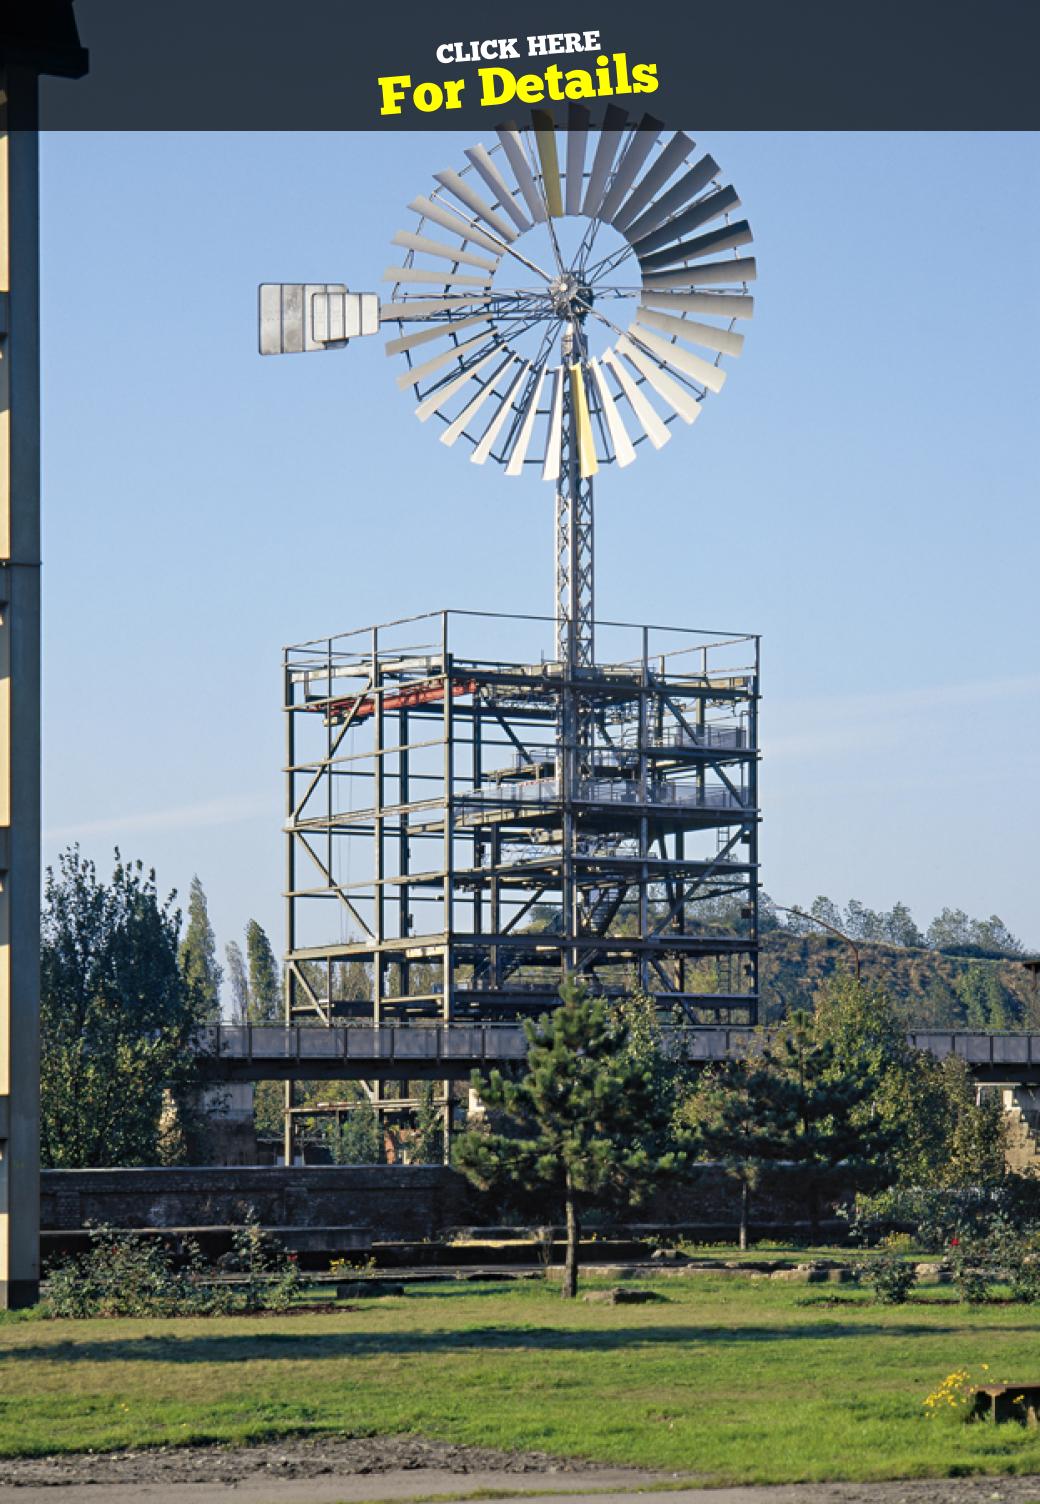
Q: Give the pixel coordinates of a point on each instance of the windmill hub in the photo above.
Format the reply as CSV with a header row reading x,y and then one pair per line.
x,y
570,296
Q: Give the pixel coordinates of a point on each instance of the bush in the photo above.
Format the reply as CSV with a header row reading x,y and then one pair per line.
x,y
125,1274
971,1269
891,1278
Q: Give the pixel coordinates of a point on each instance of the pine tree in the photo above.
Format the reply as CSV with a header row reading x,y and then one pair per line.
x,y
198,956
581,1123
238,982
265,992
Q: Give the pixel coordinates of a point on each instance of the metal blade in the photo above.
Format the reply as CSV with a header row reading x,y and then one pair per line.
x,y
441,248
523,438
624,452
577,132
494,428
435,331
416,374
461,423
728,238
697,214
689,185
442,215
514,150
483,163
614,120
443,394
729,305
468,196
545,140
421,308
554,441
656,431
427,274
587,462
694,366
683,402
671,159
641,144
705,335
731,272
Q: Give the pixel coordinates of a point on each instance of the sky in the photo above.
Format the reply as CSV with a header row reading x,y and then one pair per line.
x,y
863,493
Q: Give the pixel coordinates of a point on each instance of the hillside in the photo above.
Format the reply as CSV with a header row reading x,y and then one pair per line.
x,y
934,989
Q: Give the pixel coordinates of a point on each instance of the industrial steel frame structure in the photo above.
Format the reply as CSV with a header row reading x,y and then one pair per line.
x,y
466,831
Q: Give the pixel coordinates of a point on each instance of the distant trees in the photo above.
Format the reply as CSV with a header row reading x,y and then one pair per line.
x,y
951,931
265,987
198,956
238,982
117,1015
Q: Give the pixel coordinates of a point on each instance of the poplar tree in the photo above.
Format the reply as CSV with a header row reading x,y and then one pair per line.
x,y
265,990
198,956
583,1124
238,982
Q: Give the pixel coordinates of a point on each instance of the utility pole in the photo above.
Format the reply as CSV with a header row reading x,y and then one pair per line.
x,y
49,44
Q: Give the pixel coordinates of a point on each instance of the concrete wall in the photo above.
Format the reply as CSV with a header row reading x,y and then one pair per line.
x,y
352,1206
408,1202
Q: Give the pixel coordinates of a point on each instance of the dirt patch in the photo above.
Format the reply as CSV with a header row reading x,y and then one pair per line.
x,y
351,1467
293,1457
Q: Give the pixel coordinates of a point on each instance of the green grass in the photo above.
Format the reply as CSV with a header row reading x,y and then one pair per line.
x,y
725,1380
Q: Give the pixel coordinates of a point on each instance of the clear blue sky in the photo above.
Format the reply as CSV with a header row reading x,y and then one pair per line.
x,y
863,493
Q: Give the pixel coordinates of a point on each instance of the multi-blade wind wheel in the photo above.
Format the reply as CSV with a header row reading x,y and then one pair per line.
x,y
590,285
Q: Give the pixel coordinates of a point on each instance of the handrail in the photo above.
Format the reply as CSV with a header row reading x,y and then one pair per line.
x,y
248,1043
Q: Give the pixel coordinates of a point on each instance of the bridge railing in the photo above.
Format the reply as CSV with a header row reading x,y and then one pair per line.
x,y
502,1043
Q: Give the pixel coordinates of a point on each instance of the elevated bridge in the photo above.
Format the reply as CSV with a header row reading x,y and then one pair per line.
x,y
439,1052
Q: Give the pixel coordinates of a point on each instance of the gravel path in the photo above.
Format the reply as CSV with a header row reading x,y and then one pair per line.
x,y
334,1470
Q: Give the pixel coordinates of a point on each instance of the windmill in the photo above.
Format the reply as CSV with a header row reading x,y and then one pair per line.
x,y
563,298
498,340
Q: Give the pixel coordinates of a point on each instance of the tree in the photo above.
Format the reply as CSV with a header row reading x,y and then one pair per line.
x,y
116,1015
265,991
949,930
909,1097
831,1144
826,911
861,923
993,934
357,1140
740,1122
582,1123
239,983
898,927
427,1146
986,1003
198,956
976,1138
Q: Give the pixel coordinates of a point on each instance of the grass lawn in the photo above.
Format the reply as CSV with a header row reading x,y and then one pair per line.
x,y
724,1380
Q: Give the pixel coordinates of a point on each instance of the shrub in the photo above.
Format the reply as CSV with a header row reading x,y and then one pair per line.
x,y
891,1278
124,1273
